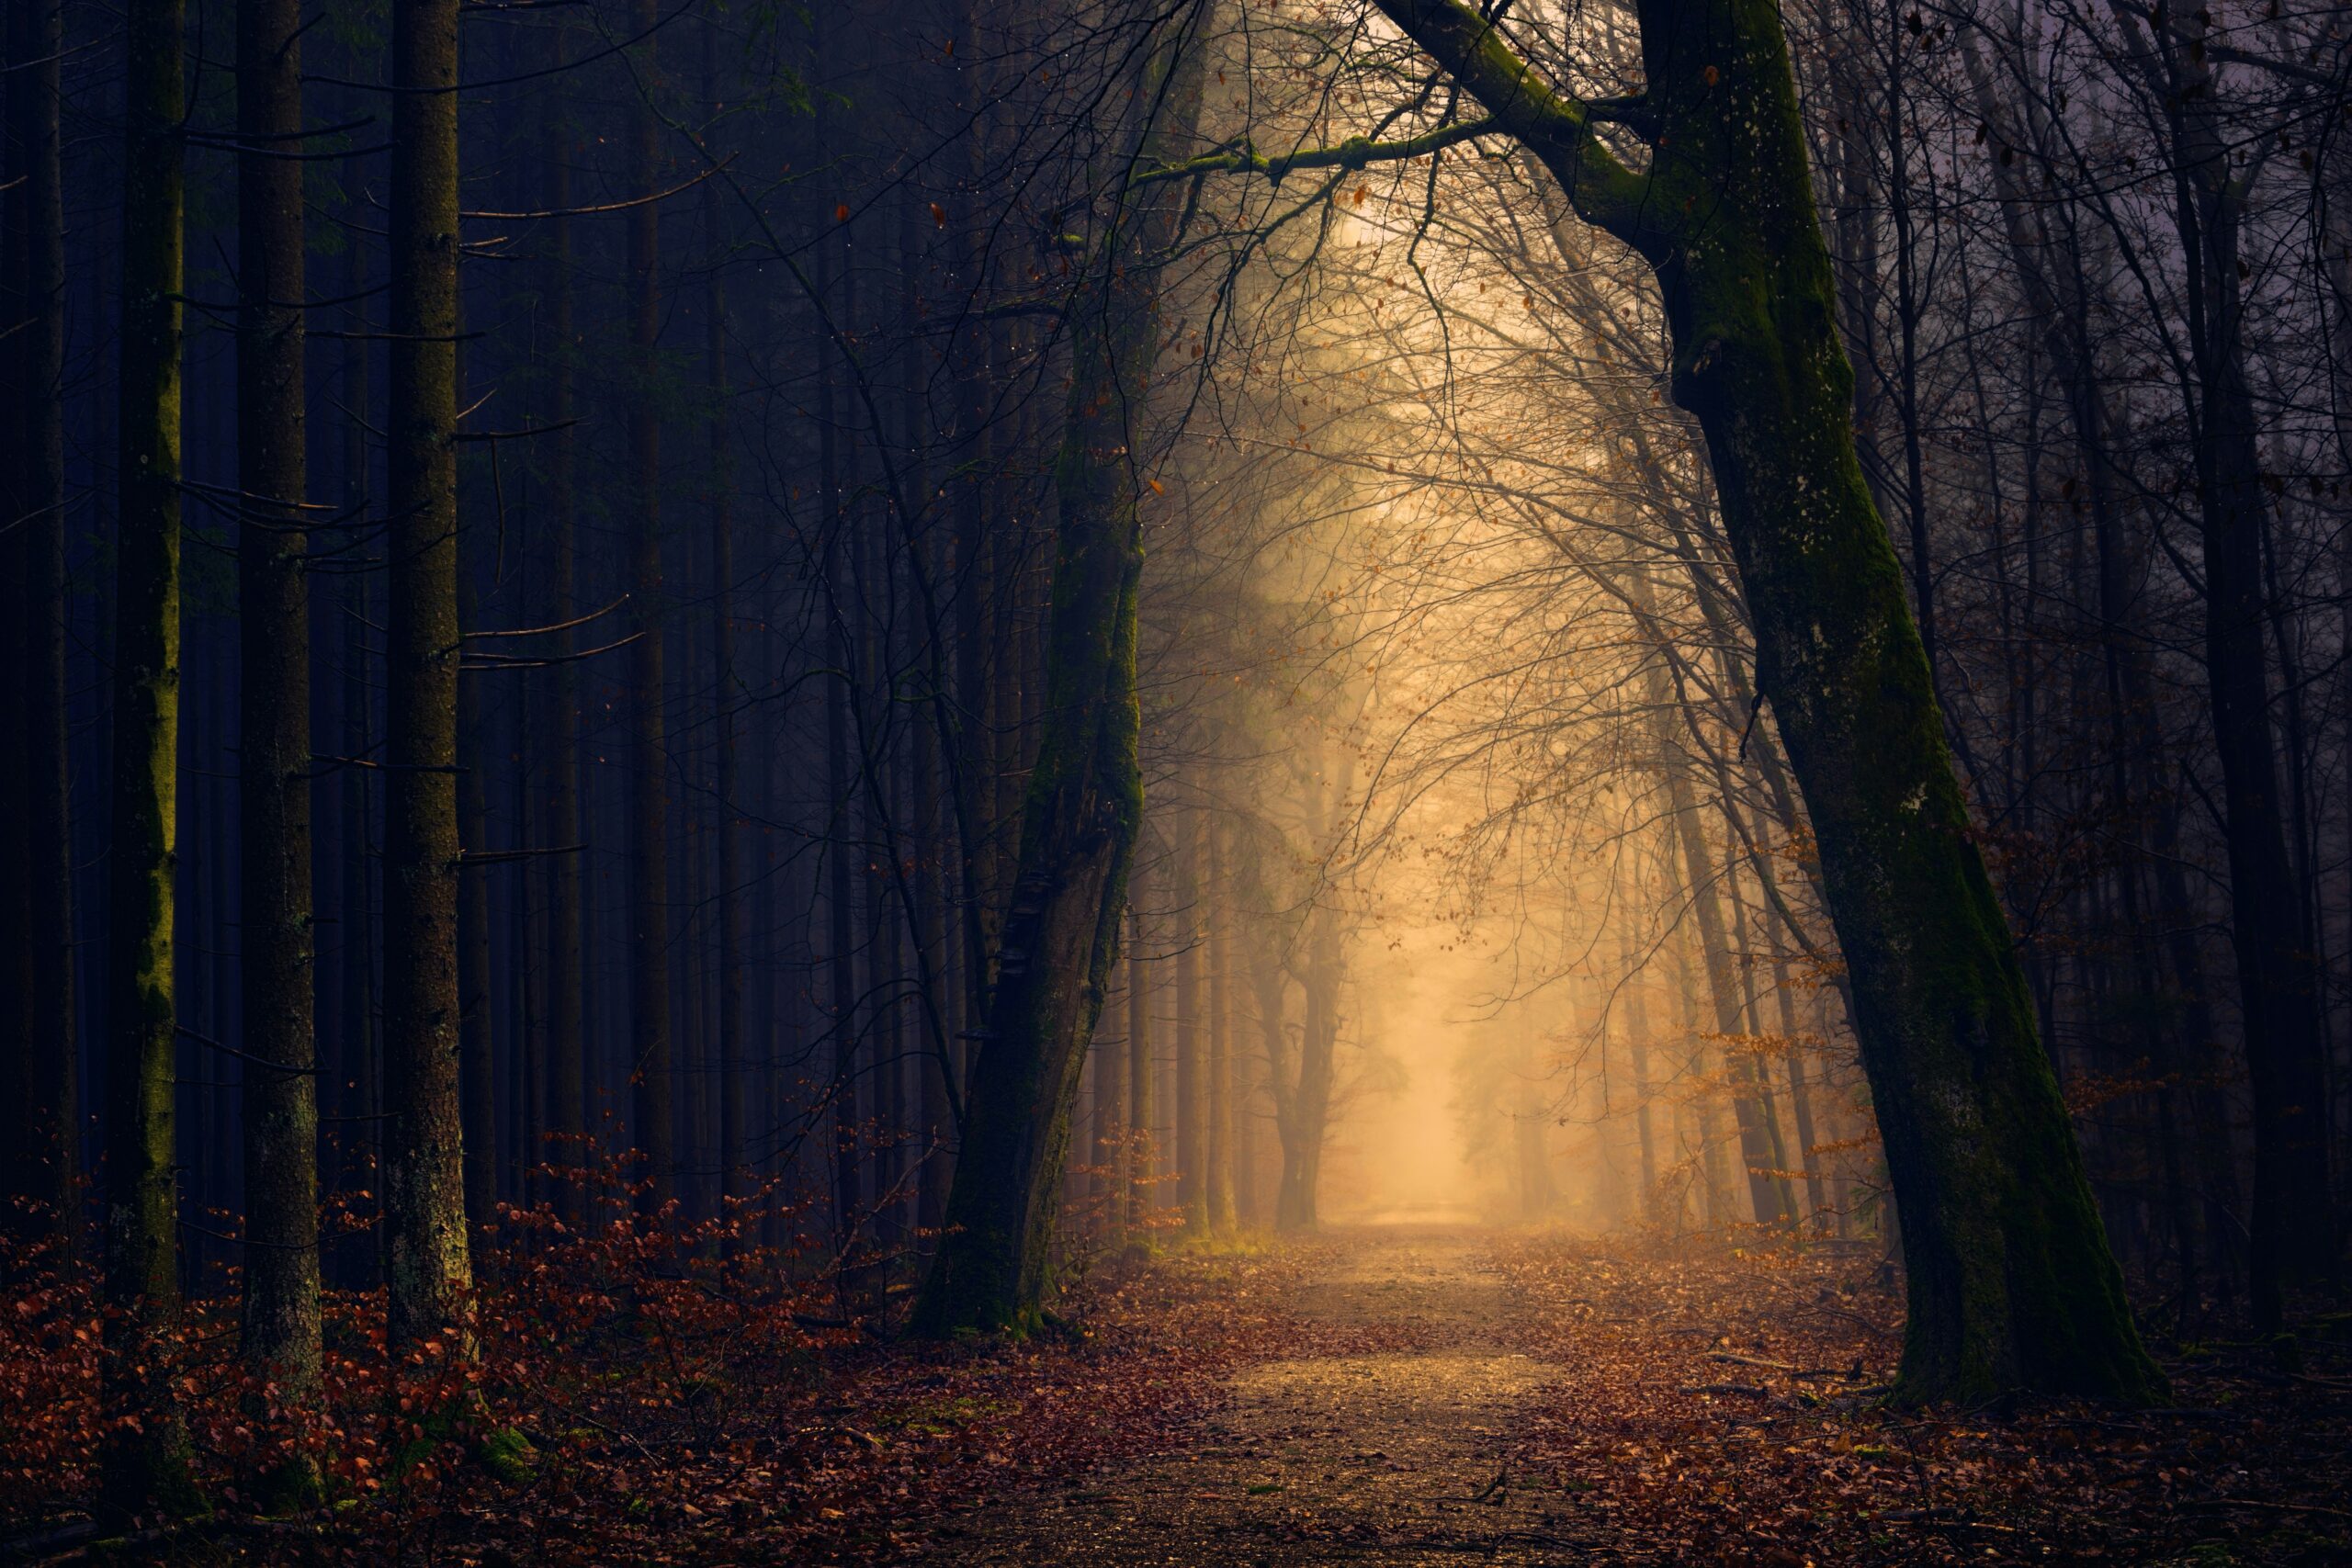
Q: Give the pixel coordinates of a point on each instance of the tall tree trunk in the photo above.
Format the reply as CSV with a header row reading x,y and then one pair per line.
x,y
566,1115
526,1078
50,1142
1298,1205
1217,1182
649,828
1760,861
20,1178
2057,297
1249,1072
1109,1141
1538,1194
355,998
1753,1070
356,1018
145,1456
976,482
1769,1192
933,897
1269,989
1307,1114
1637,1034
1705,1109
1139,1200
2011,1282
734,1186
281,1329
1800,1092
477,1006
431,1273
2278,981
1084,802
883,923
843,857
223,1075
1192,1119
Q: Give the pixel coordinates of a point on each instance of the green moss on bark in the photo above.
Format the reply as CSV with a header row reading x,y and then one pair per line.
x,y
145,1459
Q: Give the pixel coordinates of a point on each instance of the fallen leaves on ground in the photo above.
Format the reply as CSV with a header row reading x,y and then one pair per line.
x,y
1725,1405
1715,1404
672,1417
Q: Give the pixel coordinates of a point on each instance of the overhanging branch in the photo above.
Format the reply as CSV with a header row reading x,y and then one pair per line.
x,y
1355,153
1555,126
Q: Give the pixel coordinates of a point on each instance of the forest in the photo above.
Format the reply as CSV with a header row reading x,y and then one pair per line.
x,y
1119,782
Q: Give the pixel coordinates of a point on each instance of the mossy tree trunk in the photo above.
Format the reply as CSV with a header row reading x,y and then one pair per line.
x,y
145,1456
1084,802
2011,1282
281,1329
424,1219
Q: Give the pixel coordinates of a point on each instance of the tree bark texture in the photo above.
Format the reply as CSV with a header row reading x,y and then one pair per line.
x,y
145,1459
1139,1075
281,1327
648,834
430,1272
1192,1062
47,1152
734,1176
1218,1181
567,1113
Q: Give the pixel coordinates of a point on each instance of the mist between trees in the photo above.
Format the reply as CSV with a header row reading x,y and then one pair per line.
x,y
877,656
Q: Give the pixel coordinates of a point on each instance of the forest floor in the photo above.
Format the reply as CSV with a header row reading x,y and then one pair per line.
x,y
1466,1396
1395,1444
1381,1395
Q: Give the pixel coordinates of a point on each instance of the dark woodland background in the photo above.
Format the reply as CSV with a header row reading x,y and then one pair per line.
x,y
783,352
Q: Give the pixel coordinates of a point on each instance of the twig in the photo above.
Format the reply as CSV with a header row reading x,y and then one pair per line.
x,y
2257,1503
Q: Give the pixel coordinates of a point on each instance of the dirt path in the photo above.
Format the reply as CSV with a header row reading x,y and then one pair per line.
x,y
1393,1457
